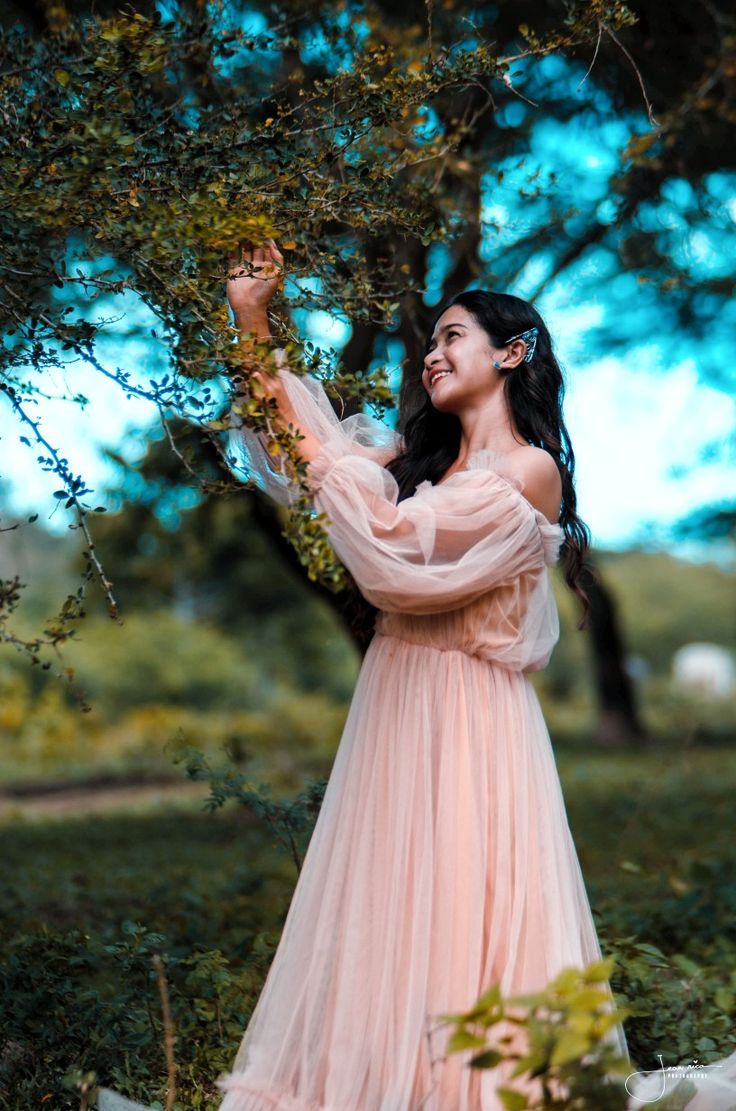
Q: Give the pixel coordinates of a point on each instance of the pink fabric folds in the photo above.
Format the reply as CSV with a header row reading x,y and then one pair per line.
x,y
442,860
360,434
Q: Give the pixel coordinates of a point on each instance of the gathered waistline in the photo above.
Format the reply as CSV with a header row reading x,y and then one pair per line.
x,y
448,648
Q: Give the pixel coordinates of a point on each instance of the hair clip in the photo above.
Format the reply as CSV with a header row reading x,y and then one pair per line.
x,y
530,338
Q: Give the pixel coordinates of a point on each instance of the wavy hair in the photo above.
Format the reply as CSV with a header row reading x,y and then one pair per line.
x,y
534,393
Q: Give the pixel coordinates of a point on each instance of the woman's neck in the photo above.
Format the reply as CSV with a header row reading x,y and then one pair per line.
x,y
490,429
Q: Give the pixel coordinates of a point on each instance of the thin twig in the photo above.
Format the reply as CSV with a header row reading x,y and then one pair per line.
x,y
595,55
84,350
620,45
429,1030
430,51
509,85
169,1038
203,484
61,468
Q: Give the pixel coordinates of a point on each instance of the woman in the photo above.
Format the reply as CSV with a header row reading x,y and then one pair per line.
x,y
442,860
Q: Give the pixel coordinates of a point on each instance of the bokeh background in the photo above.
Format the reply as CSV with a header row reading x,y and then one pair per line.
x,y
160,773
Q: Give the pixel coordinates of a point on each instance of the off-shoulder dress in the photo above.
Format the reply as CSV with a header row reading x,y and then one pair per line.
x,y
442,860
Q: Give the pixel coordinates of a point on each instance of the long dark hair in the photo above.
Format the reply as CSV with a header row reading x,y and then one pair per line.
x,y
534,392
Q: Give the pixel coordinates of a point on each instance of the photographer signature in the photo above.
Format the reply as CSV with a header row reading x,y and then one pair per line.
x,y
673,1072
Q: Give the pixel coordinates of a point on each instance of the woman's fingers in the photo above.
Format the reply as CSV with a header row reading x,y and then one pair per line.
x,y
257,256
240,260
245,252
276,255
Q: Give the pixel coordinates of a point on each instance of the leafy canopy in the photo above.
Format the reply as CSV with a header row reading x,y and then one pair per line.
x,y
137,150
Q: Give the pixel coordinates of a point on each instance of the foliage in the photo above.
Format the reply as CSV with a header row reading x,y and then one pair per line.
x,y
163,659
105,1000
664,603
562,1041
291,735
681,1010
667,603
210,891
218,557
680,1007
290,821
151,146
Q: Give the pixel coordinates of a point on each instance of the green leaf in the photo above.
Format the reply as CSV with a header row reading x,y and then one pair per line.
x,y
587,999
687,965
569,1047
463,1039
724,999
487,1060
602,1023
533,1064
599,970
566,981
511,1100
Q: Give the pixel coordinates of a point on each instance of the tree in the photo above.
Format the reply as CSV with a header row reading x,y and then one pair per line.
x,y
371,142
222,560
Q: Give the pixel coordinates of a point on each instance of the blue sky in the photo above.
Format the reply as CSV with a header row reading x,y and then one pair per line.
x,y
651,438
639,426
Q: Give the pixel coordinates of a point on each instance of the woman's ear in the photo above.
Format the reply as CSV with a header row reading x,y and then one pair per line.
x,y
515,352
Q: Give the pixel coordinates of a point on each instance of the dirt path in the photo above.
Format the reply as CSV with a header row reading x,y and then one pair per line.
x,y
81,800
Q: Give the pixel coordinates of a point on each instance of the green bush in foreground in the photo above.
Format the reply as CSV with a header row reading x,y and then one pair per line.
x,y
561,1046
73,1005
71,1002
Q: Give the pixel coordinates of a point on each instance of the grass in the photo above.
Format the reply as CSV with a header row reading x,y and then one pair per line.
x,y
652,829
203,880
640,820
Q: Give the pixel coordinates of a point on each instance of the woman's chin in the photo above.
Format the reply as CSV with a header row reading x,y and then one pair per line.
x,y
441,403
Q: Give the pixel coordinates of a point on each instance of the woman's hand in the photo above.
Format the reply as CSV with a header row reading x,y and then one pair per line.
x,y
253,278
254,275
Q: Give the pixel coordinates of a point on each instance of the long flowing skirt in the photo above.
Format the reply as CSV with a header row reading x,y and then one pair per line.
x,y
442,862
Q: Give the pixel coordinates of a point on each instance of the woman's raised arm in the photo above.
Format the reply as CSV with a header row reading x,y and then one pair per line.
x,y
254,277
301,401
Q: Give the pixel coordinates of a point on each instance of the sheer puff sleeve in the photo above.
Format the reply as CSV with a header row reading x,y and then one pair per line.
x,y
439,550
359,435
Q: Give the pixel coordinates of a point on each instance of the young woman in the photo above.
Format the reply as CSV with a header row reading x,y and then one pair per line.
x,y
442,860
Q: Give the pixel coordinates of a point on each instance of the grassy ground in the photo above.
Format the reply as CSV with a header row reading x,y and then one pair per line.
x,y
641,822
653,831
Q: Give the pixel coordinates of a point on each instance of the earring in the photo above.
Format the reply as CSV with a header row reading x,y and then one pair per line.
x,y
496,364
530,339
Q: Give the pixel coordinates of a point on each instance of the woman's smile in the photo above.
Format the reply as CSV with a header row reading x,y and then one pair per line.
x,y
435,375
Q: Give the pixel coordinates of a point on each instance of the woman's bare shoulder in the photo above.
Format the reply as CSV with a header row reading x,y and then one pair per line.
x,y
541,483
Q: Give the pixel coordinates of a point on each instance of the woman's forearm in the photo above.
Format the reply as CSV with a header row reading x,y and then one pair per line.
x,y
254,322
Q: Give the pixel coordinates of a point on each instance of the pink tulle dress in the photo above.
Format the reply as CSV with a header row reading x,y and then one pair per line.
x,y
442,860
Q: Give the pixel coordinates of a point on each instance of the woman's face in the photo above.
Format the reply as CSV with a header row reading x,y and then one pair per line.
x,y
458,367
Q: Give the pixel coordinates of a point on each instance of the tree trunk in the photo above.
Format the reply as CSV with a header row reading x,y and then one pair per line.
x,y
618,717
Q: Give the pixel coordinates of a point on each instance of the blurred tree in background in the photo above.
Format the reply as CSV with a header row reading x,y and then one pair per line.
x,y
398,155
